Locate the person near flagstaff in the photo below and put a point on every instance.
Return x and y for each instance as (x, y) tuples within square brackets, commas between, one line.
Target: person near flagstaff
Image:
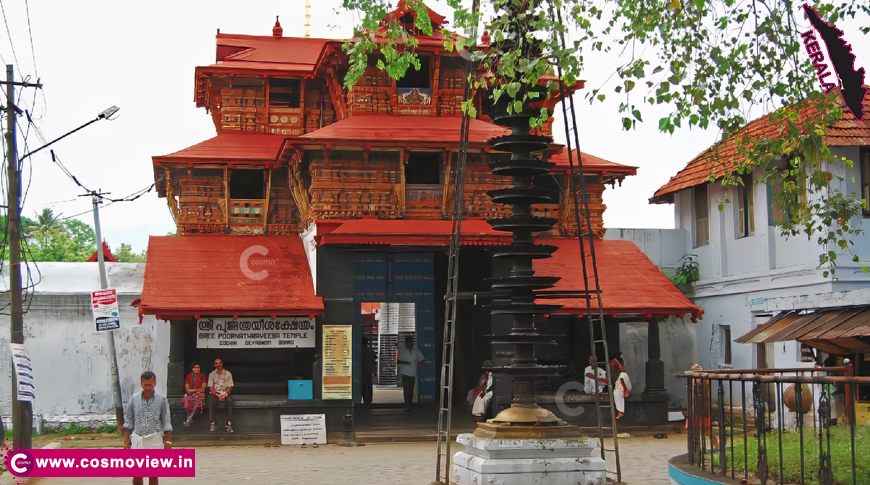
[(622, 386), (147, 423), (481, 396), (590, 378)]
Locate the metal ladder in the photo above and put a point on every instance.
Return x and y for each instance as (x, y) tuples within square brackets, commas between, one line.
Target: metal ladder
[(594, 290), (445, 405)]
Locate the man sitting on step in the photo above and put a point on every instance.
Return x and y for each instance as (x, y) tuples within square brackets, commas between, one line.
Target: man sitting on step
[(220, 384)]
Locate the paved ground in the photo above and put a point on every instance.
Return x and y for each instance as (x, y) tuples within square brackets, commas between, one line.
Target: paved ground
[(644, 461)]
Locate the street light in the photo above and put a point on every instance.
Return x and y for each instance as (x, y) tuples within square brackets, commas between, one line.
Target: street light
[(104, 115), (21, 411)]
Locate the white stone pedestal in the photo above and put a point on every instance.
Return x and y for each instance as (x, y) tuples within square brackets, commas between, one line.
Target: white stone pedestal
[(550, 461)]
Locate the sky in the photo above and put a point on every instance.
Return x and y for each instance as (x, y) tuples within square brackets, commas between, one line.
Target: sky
[(93, 54)]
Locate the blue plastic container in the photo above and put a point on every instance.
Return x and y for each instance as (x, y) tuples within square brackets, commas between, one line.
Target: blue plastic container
[(300, 390)]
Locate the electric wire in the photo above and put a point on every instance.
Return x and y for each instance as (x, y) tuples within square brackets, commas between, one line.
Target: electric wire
[(9, 34)]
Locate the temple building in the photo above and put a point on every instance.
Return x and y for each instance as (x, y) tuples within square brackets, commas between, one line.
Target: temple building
[(318, 218)]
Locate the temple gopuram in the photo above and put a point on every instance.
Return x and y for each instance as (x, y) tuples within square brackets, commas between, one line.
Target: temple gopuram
[(313, 231)]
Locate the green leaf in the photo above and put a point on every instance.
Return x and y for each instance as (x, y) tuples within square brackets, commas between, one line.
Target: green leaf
[(663, 123), (626, 123), (864, 269), (658, 70), (721, 207), (636, 114), (629, 85), (601, 97), (518, 106)]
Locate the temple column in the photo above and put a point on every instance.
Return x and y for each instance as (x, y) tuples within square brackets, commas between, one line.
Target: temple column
[(655, 396), (655, 367), (175, 371)]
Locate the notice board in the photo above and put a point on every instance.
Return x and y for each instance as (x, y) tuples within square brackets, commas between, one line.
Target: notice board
[(337, 362), (303, 429)]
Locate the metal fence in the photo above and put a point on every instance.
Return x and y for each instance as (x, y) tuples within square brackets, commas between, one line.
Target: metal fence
[(775, 406)]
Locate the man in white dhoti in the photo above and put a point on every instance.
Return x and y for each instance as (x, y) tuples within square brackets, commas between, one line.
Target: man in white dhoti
[(480, 407), (146, 421), (589, 381)]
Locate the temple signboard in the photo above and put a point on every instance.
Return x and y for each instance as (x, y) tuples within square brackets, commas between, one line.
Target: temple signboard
[(337, 362), (255, 332)]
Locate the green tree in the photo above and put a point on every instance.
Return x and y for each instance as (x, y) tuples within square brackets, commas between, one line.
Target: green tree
[(45, 220), (711, 63), (72, 241), (125, 254), (4, 234)]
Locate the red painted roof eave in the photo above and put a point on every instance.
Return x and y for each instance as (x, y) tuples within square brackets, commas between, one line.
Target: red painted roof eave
[(695, 313), (409, 240)]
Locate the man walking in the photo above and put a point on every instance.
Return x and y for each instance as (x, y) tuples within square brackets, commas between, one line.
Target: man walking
[(408, 359), (220, 384), (146, 421)]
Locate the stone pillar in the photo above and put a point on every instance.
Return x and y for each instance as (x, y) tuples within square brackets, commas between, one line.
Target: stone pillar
[(655, 397), (175, 371), (655, 368)]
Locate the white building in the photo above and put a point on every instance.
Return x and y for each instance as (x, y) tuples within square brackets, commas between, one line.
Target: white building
[(748, 271), (70, 360)]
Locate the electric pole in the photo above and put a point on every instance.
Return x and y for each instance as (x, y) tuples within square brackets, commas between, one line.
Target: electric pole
[(110, 335), (22, 414)]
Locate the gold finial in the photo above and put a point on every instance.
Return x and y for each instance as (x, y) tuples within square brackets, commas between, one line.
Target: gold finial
[(307, 18)]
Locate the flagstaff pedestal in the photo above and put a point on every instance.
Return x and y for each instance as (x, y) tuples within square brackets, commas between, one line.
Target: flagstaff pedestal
[(544, 455)]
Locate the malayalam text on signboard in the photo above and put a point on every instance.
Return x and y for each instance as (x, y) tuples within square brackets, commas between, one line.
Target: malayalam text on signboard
[(23, 372), (104, 304), (255, 332), (303, 429), (337, 362)]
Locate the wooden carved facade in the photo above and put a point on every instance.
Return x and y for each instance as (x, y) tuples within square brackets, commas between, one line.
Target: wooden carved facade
[(310, 181)]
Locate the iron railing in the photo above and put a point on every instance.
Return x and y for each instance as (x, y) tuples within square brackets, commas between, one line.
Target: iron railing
[(774, 408)]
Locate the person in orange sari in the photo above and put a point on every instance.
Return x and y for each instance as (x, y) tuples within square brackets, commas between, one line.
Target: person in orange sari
[(194, 393)]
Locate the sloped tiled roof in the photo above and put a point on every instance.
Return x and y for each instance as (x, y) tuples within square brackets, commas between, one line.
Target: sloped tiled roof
[(721, 157), (403, 129), (220, 275), (592, 163), (230, 147), (631, 284)]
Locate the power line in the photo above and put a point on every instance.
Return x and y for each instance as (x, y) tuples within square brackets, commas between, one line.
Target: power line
[(9, 34), (30, 33)]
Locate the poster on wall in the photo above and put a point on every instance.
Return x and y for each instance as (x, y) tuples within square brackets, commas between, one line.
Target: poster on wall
[(23, 372), (104, 305), (337, 362), (303, 429), (255, 332)]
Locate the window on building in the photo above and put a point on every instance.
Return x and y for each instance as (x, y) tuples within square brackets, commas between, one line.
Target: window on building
[(702, 217), (423, 168), (865, 181), (746, 207), (776, 185), (248, 184), (285, 93), (726, 343), (414, 78)]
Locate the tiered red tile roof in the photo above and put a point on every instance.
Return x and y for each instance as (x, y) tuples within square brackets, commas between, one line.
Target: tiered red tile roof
[(721, 157)]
